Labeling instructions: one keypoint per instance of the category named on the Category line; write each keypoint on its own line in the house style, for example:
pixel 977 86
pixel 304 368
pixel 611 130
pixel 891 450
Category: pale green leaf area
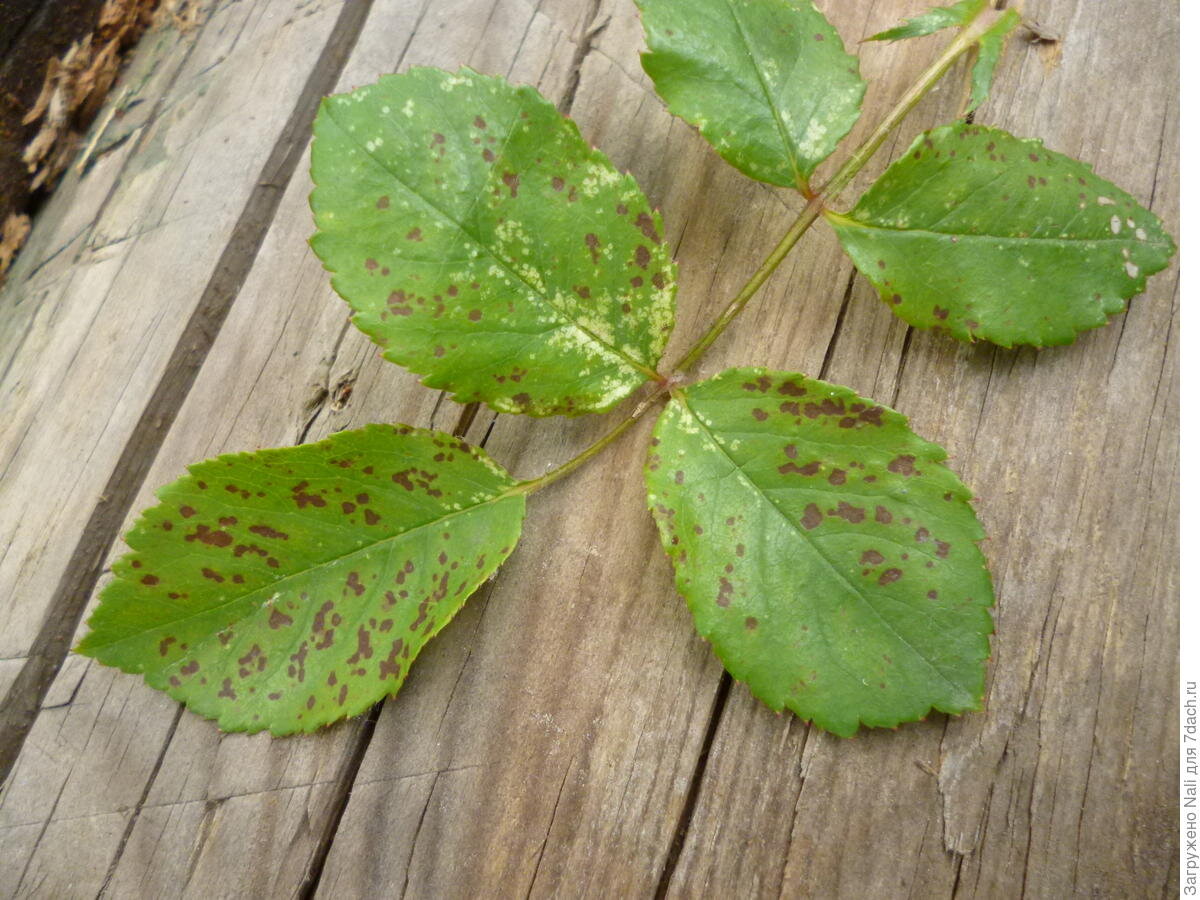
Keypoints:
pixel 823 549
pixel 285 589
pixel 991 46
pixel 992 237
pixel 768 82
pixel 484 245
pixel 932 20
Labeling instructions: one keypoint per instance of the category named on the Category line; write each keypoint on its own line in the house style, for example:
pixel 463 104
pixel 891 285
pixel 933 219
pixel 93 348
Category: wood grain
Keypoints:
pixel 568 734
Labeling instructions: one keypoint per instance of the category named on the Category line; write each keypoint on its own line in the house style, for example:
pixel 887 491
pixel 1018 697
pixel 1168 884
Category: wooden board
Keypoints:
pixel 568 734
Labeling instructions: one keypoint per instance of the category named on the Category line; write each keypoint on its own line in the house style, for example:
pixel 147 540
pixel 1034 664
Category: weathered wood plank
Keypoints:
pixel 261 803
pixel 96 337
pixel 553 738
pixel 562 761
pixel 1064 785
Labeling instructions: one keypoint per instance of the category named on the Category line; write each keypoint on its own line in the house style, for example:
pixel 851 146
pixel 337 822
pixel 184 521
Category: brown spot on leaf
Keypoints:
pixel 593 245
pixel 164 646
pixel 724 592
pixel 205 535
pixel 414 235
pixel 383 202
pixel 890 575
pixel 211 575
pixel 363 650
pixel 150 580
pixel 645 222
pixel 759 414
pixel 812 517
pixel 641 256
pixel 871 558
pixel 903 465
pixel 939 313
pixel 943 549
pixel 303 499
pixel 227 690
pixel 751 623
pixel 278 619
pixel 837 476
pixel 354 584
pixel 513 181
pixel 186 511
pixel 852 514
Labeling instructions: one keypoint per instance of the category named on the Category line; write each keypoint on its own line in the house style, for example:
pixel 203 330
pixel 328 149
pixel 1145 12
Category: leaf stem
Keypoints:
pixel 815 205
pixel 965 39
pixel 661 388
pixel 812 209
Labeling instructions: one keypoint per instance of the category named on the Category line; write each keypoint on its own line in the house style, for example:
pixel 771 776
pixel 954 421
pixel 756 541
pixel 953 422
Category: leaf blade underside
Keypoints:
pixel 991 46
pixel 484 245
pixel 993 237
pixel 822 548
pixel 932 20
pixel 286 589
pixel 768 82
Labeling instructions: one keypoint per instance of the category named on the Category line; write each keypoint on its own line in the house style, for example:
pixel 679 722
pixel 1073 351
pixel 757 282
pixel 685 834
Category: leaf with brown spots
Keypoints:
pixel 505 241
pixel 992 237
pixel 768 82
pixel 296 586
pixel 860 616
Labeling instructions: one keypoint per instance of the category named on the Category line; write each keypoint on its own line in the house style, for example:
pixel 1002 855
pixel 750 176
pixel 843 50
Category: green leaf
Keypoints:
pixel 768 82
pixel 486 246
pixel 991 45
pixel 933 20
pixel 285 589
pixel 823 549
pixel 992 237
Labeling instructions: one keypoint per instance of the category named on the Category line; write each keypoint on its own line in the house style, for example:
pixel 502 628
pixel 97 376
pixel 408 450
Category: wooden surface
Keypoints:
pixel 568 734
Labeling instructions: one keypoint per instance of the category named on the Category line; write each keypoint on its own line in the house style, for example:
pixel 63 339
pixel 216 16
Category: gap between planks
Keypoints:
pixel 79 579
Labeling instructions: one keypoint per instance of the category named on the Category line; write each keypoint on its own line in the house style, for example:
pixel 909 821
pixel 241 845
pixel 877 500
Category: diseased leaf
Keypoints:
pixel 933 20
pixel 285 589
pixel 486 246
pixel 993 237
pixel 991 45
pixel 823 549
pixel 768 82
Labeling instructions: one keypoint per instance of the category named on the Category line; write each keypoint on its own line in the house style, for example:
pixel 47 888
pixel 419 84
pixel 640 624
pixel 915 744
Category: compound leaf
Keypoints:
pixel 285 589
pixel 823 549
pixel 483 244
pixel 768 82
pixel 932 20
pixel 994 237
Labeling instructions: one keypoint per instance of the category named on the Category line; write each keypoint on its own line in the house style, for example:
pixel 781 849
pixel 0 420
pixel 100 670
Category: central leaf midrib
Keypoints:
pixel 712 439
pixel 505 494
pixel 788 145
pixel 918 232
pixel 533 290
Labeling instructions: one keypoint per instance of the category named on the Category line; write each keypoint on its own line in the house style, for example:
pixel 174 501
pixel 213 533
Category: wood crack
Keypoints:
pixel 691 799
pixel 83 570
